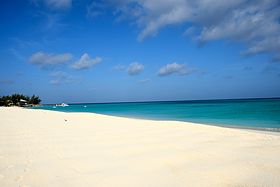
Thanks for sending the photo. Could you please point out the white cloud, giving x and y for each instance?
(135, 68)
(46, 60)
(255, 23)
(85, 62)
(55, 4)
(174, 68)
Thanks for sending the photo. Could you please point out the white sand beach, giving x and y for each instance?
(41, 148)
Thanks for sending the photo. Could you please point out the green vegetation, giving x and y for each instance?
(19, 100)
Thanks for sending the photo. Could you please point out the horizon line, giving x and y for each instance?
(180, 100)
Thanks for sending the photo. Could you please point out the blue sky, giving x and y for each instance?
(124, 50)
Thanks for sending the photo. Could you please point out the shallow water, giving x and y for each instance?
(254, 113)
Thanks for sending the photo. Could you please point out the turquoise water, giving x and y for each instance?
(254, 113)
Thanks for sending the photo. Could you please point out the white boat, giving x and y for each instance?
(62, 104)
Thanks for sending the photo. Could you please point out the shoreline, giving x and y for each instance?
(50, 148)
(261, 129)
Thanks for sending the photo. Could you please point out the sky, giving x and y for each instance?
(140, 50)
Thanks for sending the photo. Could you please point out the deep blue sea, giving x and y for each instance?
(252, 113)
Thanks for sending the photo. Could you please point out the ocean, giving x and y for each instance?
(243, 113)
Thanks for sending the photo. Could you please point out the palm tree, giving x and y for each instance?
(16, 99)
(35, 100)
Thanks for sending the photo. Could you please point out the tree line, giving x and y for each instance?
(19, 100)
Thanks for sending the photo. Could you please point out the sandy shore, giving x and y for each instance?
(46, 148)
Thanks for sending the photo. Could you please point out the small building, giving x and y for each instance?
(22, 102)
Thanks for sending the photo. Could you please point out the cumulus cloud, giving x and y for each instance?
(255, 23)
(135, 68)
(55, 4)
(85, 62)
(49, 60)
(174, 68)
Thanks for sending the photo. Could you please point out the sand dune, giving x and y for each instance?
(46, 148)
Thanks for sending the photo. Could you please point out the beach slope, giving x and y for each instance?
(47, 148)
